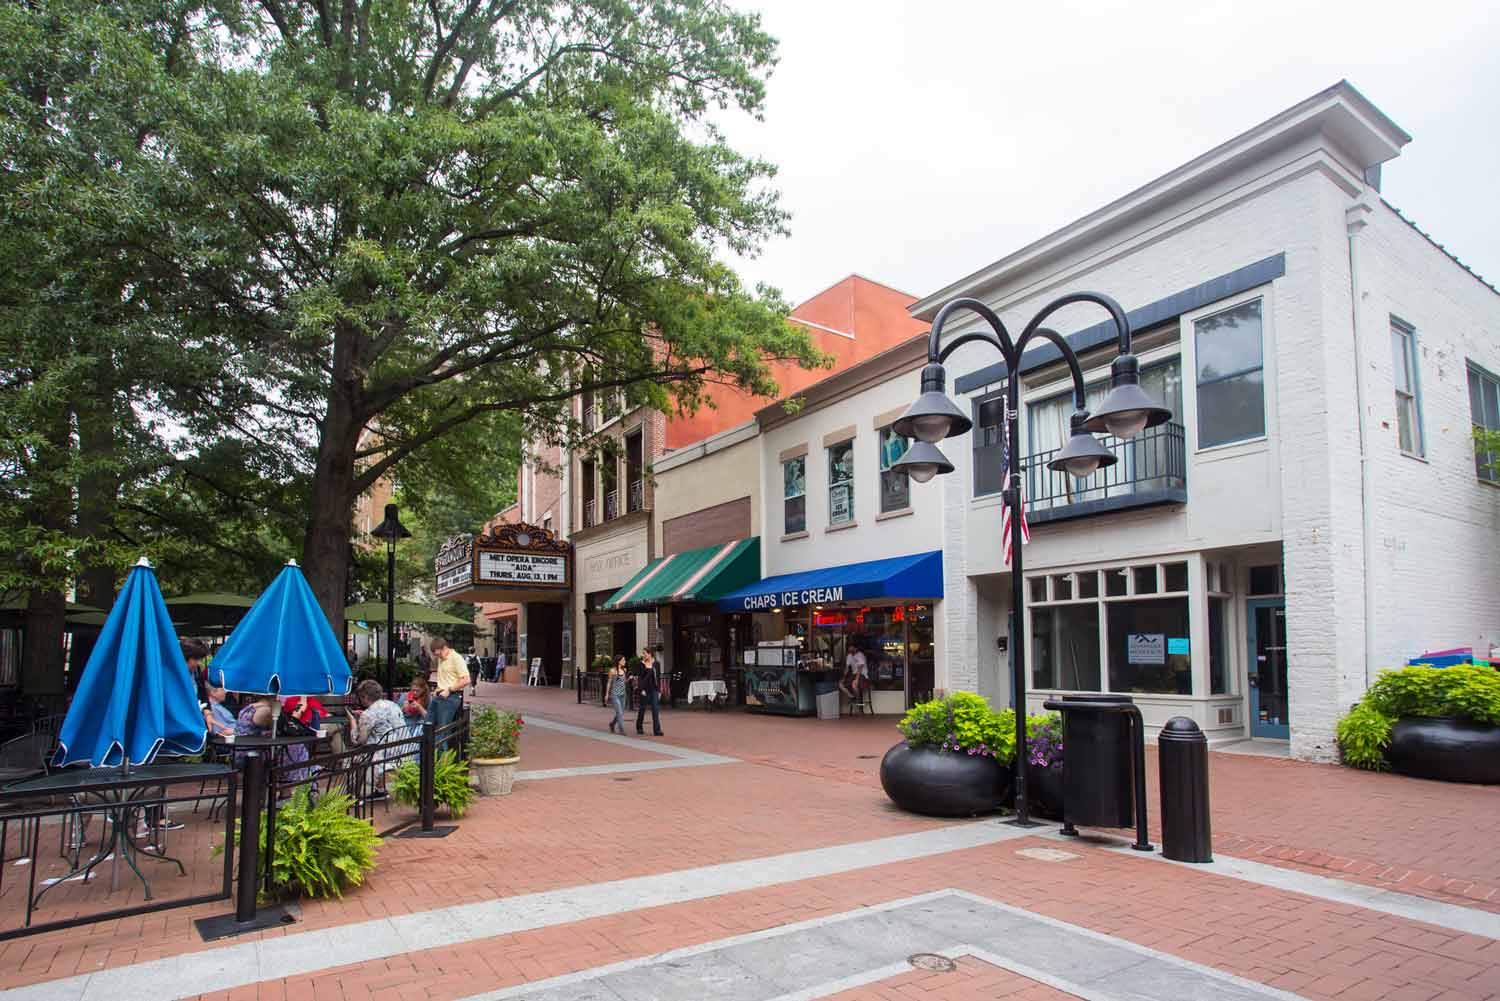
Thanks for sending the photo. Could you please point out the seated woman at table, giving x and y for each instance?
(305, 710)
(379, 721)
(414, 707)
(254, 720)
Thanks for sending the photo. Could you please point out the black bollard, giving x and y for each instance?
(1183, 752)
(426, 775)
(255, 793)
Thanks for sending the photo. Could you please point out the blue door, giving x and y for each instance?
(1270, 710)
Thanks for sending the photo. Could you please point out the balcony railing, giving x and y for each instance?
(590, 418)
(612, 505)
(590, 514)
(1152, 470)
(636, 500)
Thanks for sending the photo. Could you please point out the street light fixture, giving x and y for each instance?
(1125, 413)
(392, 531)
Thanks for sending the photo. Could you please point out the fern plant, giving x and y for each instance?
(321, 849)
(450, 784)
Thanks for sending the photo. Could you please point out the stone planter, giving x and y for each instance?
(494, 776)
(1445, 748)
(1044, 790)
(943, 783)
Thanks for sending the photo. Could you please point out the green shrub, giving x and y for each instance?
(962, 722)
(1467, 691)
(601, 663)
(450, 784)
(494, 733)
(320, 848)
(1363, 736)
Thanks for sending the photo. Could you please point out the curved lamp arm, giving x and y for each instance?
(1000, 339)
(1116, 313)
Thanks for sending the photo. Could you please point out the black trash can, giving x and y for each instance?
(1096, 761)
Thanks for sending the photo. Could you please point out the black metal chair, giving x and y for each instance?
(22, 758)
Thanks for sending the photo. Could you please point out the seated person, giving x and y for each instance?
(216, 714)
(254, 720)
(378, 720)
(414, 706)
(305, 710)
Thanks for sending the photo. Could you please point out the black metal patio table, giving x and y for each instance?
(117, 794)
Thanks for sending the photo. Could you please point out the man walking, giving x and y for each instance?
(648, 680)
(452, 678)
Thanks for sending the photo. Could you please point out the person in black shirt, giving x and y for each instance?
(648, 683)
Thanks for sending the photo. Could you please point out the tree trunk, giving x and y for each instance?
(98, 493)
(325, 547)
(46, 607)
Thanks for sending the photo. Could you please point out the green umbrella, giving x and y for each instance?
(373, 612)
(207, 609)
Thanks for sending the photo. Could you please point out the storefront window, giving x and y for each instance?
(1218, 661)
(841, 483)
(895, 486)
(1065, 648)
(1149, 648)
(794, 493)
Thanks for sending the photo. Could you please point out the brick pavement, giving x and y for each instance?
(973, 980)
(807, 784)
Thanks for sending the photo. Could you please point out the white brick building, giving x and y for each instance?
(1308, 502)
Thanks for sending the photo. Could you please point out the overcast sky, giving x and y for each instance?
(919, 141)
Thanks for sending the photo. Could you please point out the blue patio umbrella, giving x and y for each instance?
(136, 697)
(284, 645)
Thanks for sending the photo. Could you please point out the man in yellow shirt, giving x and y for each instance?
(452, 678)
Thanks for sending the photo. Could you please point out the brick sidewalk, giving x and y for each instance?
(808, 784)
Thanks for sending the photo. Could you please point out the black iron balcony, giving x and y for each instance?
(590, 514)
(590, 418)
(1152, 470)
(611, 505)
(636, 500)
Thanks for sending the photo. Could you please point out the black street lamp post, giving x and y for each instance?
(392, 531)
(1125, 413)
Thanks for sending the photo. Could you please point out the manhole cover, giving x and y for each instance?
(1046, 854)
(867, 756)
(933, 962)
(624, 780)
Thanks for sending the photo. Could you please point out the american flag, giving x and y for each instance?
(1005, 508)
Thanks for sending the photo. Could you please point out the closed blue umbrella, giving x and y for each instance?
(136, 697)
(283, 645)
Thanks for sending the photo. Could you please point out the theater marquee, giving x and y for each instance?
(510, 563)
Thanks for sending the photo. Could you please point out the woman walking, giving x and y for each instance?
(614, 687)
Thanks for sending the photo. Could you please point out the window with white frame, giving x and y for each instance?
(1484, 411)
(895, 486)
(1122, 629)
(1404, 367)
(794, 495)
(1230, 375)
(841, 483)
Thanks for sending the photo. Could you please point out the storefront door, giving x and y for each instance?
(1270, 711)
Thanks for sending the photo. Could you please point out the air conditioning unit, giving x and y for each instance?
(1226, 715)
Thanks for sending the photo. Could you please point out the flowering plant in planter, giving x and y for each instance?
(1044, 740)
(962, 723)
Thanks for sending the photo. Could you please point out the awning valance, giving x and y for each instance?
(902, 577)
(696, 575)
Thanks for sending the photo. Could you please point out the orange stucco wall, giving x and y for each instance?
(873, 313)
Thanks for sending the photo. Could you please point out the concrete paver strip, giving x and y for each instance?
(823, 956)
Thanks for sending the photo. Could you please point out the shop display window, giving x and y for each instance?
(1065, 648)
(1149, 647)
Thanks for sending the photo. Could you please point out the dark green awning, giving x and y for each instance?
(696, 575)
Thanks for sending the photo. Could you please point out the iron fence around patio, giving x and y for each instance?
(110, 827)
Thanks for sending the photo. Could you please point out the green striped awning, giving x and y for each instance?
(696, 575)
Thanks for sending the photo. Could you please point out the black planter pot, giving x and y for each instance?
(1044, 790)
(943, 783)
(1445, 748)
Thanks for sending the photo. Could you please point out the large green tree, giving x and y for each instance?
(427, 211)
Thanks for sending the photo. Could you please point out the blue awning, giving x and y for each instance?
(902, 577)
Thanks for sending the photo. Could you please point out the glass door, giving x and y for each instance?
(1270, 709)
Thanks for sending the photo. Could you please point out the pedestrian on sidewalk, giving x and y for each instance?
(452, 679)
(614, 688)
(648, 683)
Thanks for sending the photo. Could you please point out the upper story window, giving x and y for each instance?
(895, 486)
(547, 521)
(635, 481)
(590, 504)
(1231, 375)
(794, 495)
(841, 483)
(609, 482)
(1404, 366)
(989, 444)
(1484, 411)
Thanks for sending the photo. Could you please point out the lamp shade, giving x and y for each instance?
(391, 530)
(922, 461)
(933, 416)
(1128, 409)
(1083, 454)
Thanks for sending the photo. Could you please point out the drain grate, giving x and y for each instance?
(932, 962)
(866, 757)
(625, 780)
